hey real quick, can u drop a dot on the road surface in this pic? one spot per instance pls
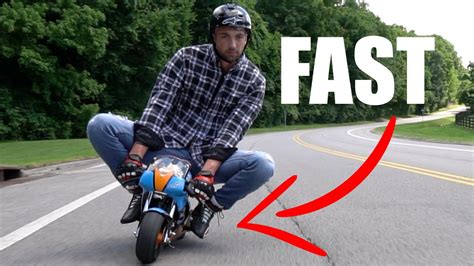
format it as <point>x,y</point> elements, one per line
<point>414,208</point>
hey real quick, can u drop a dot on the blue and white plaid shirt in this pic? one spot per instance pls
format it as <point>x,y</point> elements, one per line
<point>195,105</point>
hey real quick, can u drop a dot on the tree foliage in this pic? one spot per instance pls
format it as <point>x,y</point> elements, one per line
<point>63,61</point>
<point>46,83</point>
<point>466,88</point>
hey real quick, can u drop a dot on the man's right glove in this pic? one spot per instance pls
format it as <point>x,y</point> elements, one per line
<point>202,185</point>
<point>129,172</point>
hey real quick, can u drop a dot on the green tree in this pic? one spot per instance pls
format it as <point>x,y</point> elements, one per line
<point>64,61</point>
<point>46,49</point>
<point>443,66</point>
<point>466,91</point>
<point>143,36</point>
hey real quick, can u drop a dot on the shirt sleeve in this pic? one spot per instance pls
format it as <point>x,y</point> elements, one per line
<point>241,117</point>
<point>164,93</point>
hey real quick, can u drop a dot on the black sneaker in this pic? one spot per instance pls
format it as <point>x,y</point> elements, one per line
<point>132,213</point>
<point>201,218</point>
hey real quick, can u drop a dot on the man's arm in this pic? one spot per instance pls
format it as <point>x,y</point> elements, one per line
<point>146,130</point>
<point>233,129</point>
<point>229,135</point>
<point>138,149</point>
<point>163,95</point>
<point>240,119</point>
<point>212,166</point>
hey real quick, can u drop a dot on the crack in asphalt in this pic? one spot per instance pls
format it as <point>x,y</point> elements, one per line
<point>297,224</point>
<point>293,219</point>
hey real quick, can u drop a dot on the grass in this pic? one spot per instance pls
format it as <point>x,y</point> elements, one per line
<point>30,154</point>
<point>448,108</point>
<point>441,130</point>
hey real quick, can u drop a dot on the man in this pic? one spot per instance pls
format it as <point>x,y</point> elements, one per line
<point>201,105</point>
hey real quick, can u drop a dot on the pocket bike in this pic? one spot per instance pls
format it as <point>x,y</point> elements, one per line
<point>166,211</point>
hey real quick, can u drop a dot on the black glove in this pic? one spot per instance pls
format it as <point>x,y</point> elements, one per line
<point>202,185</point>
<point>129,172</point>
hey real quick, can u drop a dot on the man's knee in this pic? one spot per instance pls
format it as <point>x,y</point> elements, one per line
<point>97,124</point>
<point>104,124</point>
<point>264,166</point>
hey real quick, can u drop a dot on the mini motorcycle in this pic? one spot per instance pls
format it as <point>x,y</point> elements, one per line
<point>165,206</point>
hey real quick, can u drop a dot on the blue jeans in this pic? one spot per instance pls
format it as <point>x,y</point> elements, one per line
<point>242,173</point>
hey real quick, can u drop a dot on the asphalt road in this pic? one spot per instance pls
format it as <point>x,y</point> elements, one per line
<point>414,208</point>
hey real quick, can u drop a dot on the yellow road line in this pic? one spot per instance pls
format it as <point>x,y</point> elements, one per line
<point>404,167</point>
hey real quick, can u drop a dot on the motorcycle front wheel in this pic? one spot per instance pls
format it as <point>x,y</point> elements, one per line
<point>150,237</point>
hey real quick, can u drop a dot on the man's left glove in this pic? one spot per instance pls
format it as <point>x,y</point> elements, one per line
<point>129,172</point>
<point>202,185</point>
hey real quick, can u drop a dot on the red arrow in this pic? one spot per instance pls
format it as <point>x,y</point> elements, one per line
<point>334,195</point>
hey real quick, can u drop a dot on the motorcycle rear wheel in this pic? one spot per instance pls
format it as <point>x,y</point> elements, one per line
<point>150,237</point>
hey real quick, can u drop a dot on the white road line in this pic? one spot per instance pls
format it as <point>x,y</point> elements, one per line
<point>349,132</point>
<point>97,166</point>
<point>39,223</point>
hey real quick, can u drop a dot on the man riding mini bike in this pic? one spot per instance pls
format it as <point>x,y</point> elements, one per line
<point>203,101</point>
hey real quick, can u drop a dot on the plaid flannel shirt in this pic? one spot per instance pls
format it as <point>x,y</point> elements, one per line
<point>195,105</point>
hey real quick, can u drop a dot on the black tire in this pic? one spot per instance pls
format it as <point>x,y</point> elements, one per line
<point>150,237</point>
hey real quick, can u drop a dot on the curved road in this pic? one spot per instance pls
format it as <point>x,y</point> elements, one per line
<point>415,207</point>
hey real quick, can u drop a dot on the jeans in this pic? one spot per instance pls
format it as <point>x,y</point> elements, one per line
<point>242,173</point>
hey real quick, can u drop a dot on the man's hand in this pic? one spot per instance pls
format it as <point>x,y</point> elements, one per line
<point>202,185</point>
<point>129,172</point>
